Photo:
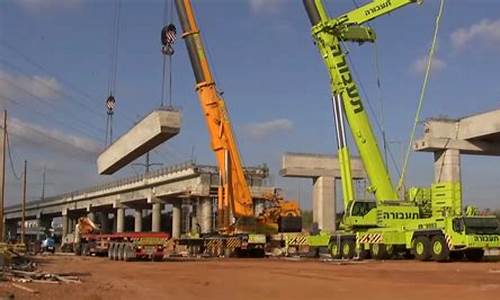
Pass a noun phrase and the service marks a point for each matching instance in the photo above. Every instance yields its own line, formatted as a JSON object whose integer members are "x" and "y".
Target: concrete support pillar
{"x": 205, "y": 215}
{"x": 64, "y": 221}
{"x": 324, "y": 203}
{"x": 447, "y": 166}
{"x": 176, "y": 219}
{"x": 194, "y": 218}
{"x": 156, "y": 217}
{"x": 120, "y": 219}
{"x": 138, "y": 220}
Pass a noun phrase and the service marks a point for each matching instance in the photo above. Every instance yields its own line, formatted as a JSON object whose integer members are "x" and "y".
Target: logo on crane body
{"x": 347, "y": 81}
{"x": 379, "y": 7}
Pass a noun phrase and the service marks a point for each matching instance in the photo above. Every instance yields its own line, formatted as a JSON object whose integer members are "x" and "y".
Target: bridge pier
{"x": 205, "y": 214}
{"x": 324, "y": 208}
{"x": 64, "y": 221}
{"x": 137, "y": 220}
{"x": 120, "y": 219}
{"x": 156, "y": 217}
{"x": 176, "y": 219}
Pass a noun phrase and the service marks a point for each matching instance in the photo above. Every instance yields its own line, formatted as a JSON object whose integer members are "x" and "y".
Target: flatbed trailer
{"x": 217, "y": 245}
{"x": 125, "y": 246}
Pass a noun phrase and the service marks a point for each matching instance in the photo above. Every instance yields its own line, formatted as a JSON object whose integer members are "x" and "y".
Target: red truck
{"x": 126, "y": 246}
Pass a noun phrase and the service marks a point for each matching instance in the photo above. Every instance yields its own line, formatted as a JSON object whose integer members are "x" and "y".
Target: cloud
{"x": 19, "y": 86}
{"x": 485, "y": 31}
{"x": 420, "y": 65}
{"x": 54, "y": 140}
{"x": 264, "y": 129}
{"x": 266, "y": 6}
{"x": 36, "y": 6}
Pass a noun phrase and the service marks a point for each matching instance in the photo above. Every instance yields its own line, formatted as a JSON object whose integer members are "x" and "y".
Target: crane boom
{"x": 234, "y": 193}
{"x": 328, "y": 34}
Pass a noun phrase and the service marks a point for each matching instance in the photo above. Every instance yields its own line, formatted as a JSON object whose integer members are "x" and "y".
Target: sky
{"x": 55, "y": 61}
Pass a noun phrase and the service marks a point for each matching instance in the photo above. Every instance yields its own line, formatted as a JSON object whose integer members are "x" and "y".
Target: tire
{"x": 347, "y": 248}
{"x": 379, "y": 251}
{"x": 439, "y": 249}
{"x": 121, "y": 252}
{"x": 334, "y": 248}
{"x": 115, "y": 251}
{"x": 362, "y": 253}
{"x": 474, "y": 254}
{"x": 85, "y": 249}
{"x": 422, "y": 248}
{"x": 110, "y": 250}
{"x": 128, "y": 253}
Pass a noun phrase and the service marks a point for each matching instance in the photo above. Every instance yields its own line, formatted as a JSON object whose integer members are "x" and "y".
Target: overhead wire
{"x": 422, "y": 95}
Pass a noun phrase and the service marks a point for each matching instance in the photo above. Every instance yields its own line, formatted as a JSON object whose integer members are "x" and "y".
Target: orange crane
{"x": 234, "y": 194}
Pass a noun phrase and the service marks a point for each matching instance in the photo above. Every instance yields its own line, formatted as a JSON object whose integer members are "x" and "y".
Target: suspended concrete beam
{"x": 156, "y": 128}
{"x": 308, "y": 165}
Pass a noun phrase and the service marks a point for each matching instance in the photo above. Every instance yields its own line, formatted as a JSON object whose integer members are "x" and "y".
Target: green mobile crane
{"x": 427, "y": 223}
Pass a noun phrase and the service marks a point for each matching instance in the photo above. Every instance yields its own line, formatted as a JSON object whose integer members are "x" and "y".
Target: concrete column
{"x": 176, "y": 219}
{"x": 447, "y": 166}
{"x": 205, "y": 215}
{"x": 64, "y": 221}
{"x": 138, "y": 220}
{"x": 155, "y": 217}
{"x": 194, "y": 220}
{"x": 120, "y": 219}
{"x": 324, "y": 202}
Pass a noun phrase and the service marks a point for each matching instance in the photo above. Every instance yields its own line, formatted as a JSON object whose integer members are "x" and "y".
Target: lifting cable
{"x": 110, "y": 101}
{"x": 421, "y": 98}
{"x": 168, "y": 37}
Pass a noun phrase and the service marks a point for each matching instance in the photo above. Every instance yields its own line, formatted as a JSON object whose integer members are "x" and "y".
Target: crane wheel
{"x": 378, "y": 251}
{"x": 362, "y": 253}
{"x": 439, "y": 249}
{"x": 335, "y": 250}
{"x": 474, "y": 254}
{"x": 115, "y": 251}
{"x": 422, "y": 248}
{"x": 347, "y": 248}
{"x": 110, "y": 250}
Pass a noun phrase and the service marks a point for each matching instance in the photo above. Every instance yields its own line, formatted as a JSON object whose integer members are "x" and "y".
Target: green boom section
{"x": 343, "y": 84}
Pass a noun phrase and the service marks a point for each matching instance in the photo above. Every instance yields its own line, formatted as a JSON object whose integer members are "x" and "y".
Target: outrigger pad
{"x": 156, "y": 128}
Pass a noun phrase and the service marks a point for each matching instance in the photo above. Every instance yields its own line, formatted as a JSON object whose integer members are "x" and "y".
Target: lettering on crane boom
{"x": 379, "y": 7}
{"x": 486, "y": 238}
{"x": 400, "y": 215}
{"x": 350, "y": 86}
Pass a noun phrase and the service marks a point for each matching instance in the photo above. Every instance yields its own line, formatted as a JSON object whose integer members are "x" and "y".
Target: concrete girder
{"x": 438, "y": 144}
{"x": 154, "y": 129}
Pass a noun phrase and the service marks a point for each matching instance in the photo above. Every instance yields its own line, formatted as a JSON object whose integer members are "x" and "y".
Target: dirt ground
{"x": 265, "y": 279}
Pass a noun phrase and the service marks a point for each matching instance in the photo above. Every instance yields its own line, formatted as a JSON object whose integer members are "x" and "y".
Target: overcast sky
{"x": 55, "y": 61}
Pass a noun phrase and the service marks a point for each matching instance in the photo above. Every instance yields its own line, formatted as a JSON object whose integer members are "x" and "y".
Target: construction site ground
{"x": 264, "y": 279}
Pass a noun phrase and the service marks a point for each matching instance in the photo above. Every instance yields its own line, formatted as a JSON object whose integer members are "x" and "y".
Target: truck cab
{"x": 474, "y": 232}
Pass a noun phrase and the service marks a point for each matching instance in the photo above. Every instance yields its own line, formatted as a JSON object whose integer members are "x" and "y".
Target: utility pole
{"x": 23, "y": 218}
{"x": 3, "y": 144}
{"x": 43, "y": 184}
{"x": 147, "y": 165}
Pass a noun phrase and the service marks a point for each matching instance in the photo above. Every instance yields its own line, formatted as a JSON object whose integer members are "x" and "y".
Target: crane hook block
{"x": 168, "y": 36}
